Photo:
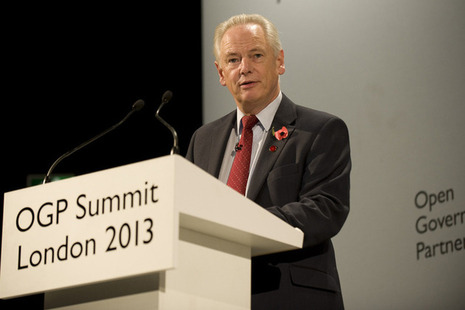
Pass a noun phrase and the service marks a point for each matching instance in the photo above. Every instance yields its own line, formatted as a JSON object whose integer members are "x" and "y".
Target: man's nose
{"x": 246, "y": 66}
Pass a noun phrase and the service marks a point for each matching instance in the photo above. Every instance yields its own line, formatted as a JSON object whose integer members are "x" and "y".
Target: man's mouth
{"x": 247, "y": 84}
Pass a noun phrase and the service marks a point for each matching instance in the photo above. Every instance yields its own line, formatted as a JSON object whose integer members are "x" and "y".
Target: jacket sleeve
{"x": 322, "y": 205}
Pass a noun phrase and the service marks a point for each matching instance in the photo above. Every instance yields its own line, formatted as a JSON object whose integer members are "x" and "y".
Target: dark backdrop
{"x": 71, "y": 72}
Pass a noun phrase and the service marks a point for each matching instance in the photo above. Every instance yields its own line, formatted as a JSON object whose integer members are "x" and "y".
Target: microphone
{"x": 164, "y": 100}
{"x": 137, "y": 106}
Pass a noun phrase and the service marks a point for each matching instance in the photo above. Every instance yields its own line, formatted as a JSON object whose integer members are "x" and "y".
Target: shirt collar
{"x": 265, "y": 117}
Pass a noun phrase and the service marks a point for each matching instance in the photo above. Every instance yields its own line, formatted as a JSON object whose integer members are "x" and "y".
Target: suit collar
{"x": 286, "y": 114}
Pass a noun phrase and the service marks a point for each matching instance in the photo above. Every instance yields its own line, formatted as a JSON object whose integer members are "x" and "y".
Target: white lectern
{"x": 158, "y": 234}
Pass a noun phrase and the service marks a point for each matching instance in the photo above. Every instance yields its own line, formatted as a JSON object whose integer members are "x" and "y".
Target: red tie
{"x": 240, "y": 169}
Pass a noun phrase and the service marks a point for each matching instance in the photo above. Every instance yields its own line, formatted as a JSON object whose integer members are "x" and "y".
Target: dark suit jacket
{"x": 305, "y": 182}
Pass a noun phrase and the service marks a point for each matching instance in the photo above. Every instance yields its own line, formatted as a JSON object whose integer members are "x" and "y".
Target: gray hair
{"x": 271, "y": 33}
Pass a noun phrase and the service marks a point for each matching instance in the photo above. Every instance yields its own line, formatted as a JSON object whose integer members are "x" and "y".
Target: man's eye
{"x": 233, "y": 60}
{"x": 258, "y": 55}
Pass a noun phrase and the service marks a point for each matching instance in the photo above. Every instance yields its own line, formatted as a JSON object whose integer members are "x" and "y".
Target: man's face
{"x": 249, "y": 67}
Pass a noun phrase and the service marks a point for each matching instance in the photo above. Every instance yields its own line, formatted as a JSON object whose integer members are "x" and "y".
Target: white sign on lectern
{"x": 100, "y": 226}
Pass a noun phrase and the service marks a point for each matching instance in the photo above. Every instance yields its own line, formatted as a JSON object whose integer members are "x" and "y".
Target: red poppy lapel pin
{"x": 280, "y": 134}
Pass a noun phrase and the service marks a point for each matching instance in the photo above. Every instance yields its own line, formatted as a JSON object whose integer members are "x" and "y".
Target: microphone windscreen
{"x": 167, "y": 96}
{"x": 138, "y": 105}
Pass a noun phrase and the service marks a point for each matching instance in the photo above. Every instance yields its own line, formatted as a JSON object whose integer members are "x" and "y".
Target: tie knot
{"x": 248, "y": 121}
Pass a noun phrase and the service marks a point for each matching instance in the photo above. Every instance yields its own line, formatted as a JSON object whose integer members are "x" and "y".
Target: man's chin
{"x": 250, "y": 97}
{"x": 251, "y": 105}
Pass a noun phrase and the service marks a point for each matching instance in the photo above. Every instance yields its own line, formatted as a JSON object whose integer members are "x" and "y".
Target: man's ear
{"x": 280, "y": 63}
{"x": 220, "y": 74}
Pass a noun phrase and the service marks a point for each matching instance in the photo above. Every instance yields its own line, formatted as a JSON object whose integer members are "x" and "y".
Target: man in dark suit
{"x": 298, "y": 167}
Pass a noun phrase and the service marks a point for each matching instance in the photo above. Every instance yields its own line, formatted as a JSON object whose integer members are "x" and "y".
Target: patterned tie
{"x": 240, "y": 169}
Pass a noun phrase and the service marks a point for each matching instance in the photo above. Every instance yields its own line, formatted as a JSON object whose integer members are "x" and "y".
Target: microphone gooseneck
{"x": 164, "y": 100}
{"x": 137, "y": 106}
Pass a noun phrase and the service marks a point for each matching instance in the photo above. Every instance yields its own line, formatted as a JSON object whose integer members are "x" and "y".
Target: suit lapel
{"x": 285, "y": 116}
{"x": 218, "y": 140}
